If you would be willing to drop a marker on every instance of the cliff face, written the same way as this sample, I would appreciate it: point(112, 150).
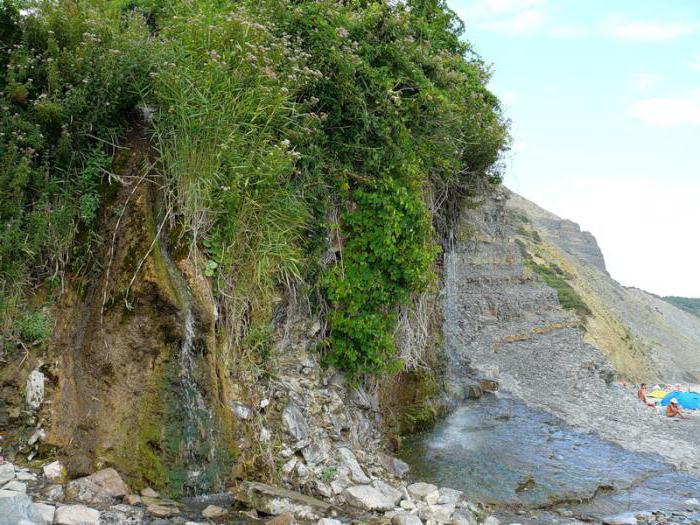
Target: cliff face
point(527, 302)
point(629, 325)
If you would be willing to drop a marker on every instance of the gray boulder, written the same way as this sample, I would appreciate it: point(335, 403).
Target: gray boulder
point(100, 487)
point(295, 421)
point(7, 473)
point(16, 486)
point(47, 512)
point(367, 498)
point(76, 515)
point(16, 507)
point(356, 473)
point(421, 490)
point(35, 389)
point(390, 492)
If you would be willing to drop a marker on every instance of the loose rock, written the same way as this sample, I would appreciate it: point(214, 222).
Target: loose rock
point(356, 472)
point(213, 511)
point(47, 512)
point(149, 493)
point(76, 515)
point(54, 472)
point(16, 486)
point(406, 519)
point(100, 487)
point(162, 511)
point(368, 498)
point(7, 473)
point(420, 490)
point(16, 507)
point(35, 389)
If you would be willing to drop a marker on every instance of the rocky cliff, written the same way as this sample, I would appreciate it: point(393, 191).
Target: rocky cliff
point(528, 303)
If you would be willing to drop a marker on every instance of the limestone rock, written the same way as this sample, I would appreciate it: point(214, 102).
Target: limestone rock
point(432, 498)
point(7, 473)
point(16, 486)
point(395, 465)
point(448, 495)
point(492, 520)
point(132, 499)
point(367, 498)
point(295, 421)
point(213, 511)
point(390, 492)
point(25, 475)
point(328, 521)
point(405, 518)
point(101, 487)
point(35, 389)
point(349, 460)
point(76, 515)
point(54, 472)
point(240, 410)
point(47, 512)
point(15, 507)
point(276, 500)
point(420, 490)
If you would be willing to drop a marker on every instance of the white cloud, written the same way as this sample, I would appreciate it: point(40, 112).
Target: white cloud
point(488, 8)
point(523, 23)
point(666, 112)
point(650, 31)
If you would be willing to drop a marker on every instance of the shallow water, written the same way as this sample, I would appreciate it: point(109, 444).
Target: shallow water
point(499, 451)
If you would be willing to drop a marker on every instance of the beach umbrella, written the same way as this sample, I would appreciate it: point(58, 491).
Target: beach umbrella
point(687, 400)
point(658, 394)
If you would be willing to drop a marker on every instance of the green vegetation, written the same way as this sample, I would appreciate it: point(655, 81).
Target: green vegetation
point(279, 125)
point(556, 278)
point(685, 303)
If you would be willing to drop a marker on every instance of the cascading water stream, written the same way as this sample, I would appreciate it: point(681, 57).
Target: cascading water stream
point(198, 448)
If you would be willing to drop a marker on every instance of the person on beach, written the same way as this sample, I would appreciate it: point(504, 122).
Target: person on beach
point(642, 395)
point(674, 410)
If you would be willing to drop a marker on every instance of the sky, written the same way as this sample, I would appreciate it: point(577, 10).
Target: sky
point(604, 98)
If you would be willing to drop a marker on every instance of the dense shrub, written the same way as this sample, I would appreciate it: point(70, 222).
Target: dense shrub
point(70, 80)
point(282, 126)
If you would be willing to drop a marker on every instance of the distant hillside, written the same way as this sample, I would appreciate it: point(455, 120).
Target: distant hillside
point(685, 303)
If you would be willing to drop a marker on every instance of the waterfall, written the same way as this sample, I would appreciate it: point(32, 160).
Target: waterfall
point(197, 447)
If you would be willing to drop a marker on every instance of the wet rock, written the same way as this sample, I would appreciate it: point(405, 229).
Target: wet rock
point(286, 518)
point(565, 513)
point(405, 518)
point(692, 503)
point(35, 389)
point(47, 512)
point(101, 487)
point(472, 391)
point(149, 493)
point(420, 490)
point(368, 498)
point(16, 486)
point(76, 515)
point(213, 511)
point(349, 460)
point(395, 465)
point(7, 473)
point(488, 385)
point(162, 511)
point(15, 507)
point(463, 517)
point(54, 472)
point(295, 422)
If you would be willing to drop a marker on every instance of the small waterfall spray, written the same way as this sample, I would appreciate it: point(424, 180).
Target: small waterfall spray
point(197, 446)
